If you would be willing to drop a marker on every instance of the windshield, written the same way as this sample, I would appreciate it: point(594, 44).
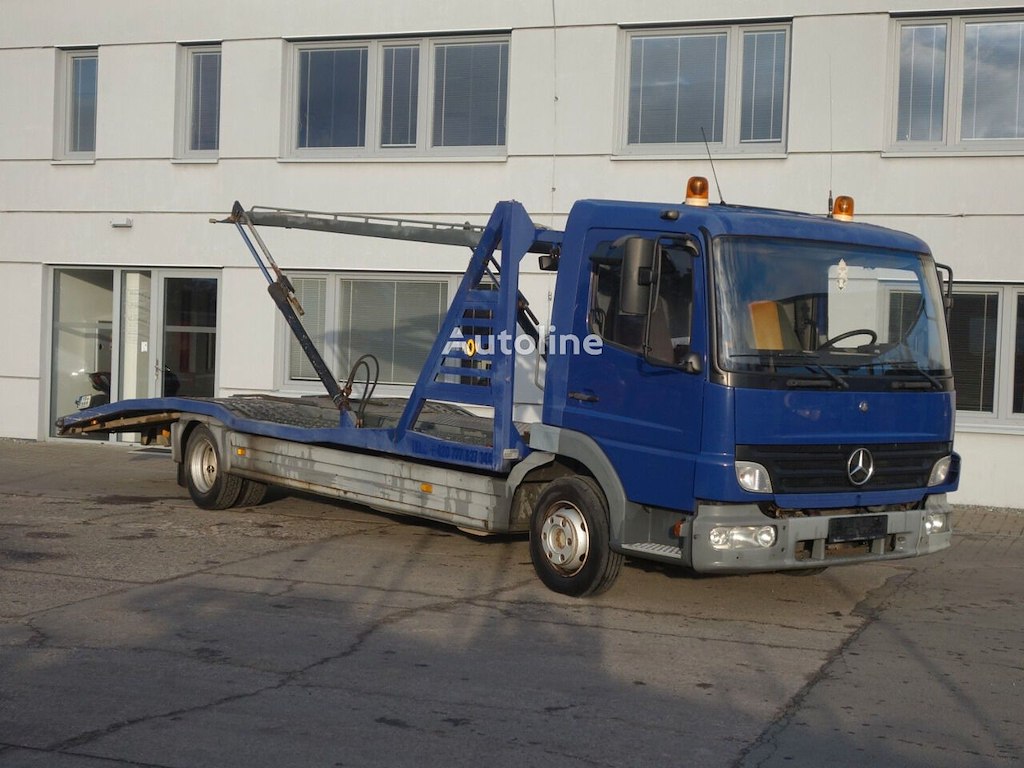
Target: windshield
point(828, 311)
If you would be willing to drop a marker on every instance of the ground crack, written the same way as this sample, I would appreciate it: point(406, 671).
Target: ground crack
point(870, 608)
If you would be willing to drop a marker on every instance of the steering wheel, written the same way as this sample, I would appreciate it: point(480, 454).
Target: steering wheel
point(857, 332)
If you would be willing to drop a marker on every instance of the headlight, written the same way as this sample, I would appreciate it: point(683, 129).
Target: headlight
point(743, 537)
point(940, 471)
point(753, 477)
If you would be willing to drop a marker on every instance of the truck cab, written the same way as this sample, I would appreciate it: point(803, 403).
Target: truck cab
point(773, 390)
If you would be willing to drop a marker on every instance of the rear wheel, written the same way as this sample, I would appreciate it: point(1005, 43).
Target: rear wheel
point(252, 493)
point(569, 538)
point(208, 484)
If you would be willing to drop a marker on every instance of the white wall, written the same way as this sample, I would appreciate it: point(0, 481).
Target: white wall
point(991, 473)
point(136, 119)
point(21, 359)
point(246, 335)
point(26, 121)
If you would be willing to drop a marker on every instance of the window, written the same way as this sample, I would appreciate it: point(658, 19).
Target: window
point(394, 319)
point(470, 94)
point(312, 295)
point(400, 96)
point(389, 98)
point(199, 104)
point(973, 332)
point(986, 335)
point(960, 82)
point(727, 85)
point(76, 106)
point(922, 86)
point(332, 98)
point(1018, 357)
point(663, 321)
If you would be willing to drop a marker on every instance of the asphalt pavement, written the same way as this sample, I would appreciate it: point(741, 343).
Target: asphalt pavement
point(138, 630)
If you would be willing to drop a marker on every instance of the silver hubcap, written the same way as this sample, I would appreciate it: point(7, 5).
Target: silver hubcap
point(565, 538)
point(204, 467)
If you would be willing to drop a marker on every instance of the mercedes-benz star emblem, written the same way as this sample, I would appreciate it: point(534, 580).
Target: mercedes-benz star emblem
point(860, 466)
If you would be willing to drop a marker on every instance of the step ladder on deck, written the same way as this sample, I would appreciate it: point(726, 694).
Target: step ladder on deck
point(467, 364)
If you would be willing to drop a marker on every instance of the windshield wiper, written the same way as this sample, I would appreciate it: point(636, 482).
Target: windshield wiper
point(786, 358)
point(932, 382)
point(839, 380)
point(833, 379)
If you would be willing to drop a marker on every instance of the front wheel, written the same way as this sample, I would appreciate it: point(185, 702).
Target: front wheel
point(569, 538)
point(208, 484)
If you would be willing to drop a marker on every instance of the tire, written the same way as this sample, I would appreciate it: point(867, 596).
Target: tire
point(252, 493)
point(208, 484)
point(569, 538)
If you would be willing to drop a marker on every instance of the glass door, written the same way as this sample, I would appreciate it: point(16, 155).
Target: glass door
point(187, 362)
point(81, 360)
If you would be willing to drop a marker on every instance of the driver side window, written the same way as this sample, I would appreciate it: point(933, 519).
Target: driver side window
point(668, 321)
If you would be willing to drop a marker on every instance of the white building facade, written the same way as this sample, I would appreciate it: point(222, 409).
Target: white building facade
point(124, 129)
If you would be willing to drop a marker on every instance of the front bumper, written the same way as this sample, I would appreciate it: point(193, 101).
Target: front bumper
point(804, 542)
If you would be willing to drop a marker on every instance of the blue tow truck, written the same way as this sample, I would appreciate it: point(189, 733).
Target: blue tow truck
point(726, 388)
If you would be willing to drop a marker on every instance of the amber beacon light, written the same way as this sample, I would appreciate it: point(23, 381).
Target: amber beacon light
point(697, 191)
point(843, 208)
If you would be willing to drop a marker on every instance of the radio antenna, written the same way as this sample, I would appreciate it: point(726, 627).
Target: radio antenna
point(711, 161)
point(831, 130)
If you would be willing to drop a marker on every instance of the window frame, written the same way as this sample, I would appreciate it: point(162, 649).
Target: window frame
point(373, 147)
point(1002, 417)
point(65, 101)
point(731, 143)
point(332, 307)
point(952, 119)
point(184, 110)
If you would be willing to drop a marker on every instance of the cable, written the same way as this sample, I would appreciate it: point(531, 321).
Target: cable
point(372, 377)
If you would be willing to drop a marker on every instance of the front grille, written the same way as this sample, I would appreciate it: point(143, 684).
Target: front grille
point(823, 468)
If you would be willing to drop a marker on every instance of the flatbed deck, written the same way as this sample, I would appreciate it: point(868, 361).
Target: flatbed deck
point(265, 414)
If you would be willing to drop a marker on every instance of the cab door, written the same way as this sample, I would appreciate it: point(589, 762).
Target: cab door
point(640, 397)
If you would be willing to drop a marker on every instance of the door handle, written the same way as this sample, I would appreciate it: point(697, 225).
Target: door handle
point(584, 397)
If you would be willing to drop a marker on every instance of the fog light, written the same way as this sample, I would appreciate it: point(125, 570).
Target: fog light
point(743, 537)
point(940, 471)
point(753, 477)
point(936, 522)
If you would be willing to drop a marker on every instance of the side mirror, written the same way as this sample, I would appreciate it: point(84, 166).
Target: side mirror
point(945, 274)
point(637, 276)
